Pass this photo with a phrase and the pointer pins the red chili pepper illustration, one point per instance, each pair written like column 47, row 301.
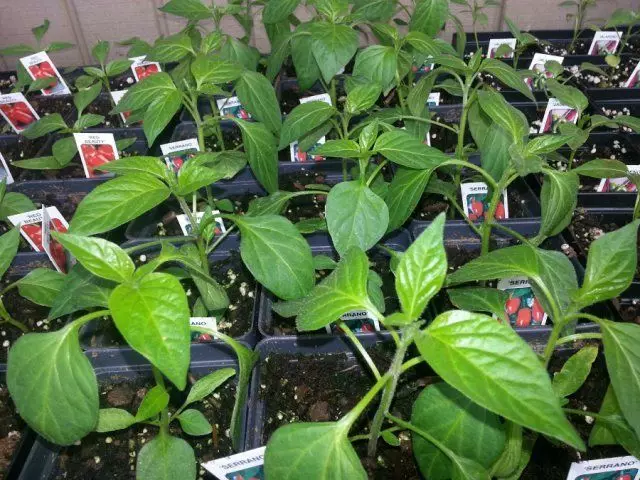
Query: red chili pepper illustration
column 57, row 225
column 500, row 213
column 34, row 232
column 204, row 337
column 366, row 327
column 524, row 318
column 477, row 208
column 96, row 156
column 538, row 312
column 18, row 114
column 243, row 114
column 144, row 71
column 302, row 156
column 512, row 305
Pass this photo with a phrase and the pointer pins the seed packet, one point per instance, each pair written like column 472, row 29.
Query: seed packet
column 426, row 67
column 54, row 250
column 31, row 225
column 358, row 321
column 176, row 153
column 619, row 185
column 117, row 96
column 17, row 111
column 39, row 65
column 538, row 66
column 308, row 156
column 185, row 224
column 617, row 468
column 95, row 149
column 475, row 201
column 522, row 308
column 496, row 43
column 556, row 114
column 634, row 78
column 5, row 173
column 232, row 108
column 210, row 323
column 605, row 43
column 142, row 69
column 434, row 99
column 241, row 466
column 322, row 97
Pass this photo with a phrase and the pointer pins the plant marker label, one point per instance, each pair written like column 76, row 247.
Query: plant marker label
column 634, row 78
column 187, row 229
column 142, row 69
column 358, row 321
column 538, row 66
column 619, row 185
column 426, row 67
column 556, row 114
column 54, row 250
column 522, row 307
column 246, row 465
column 475, row 201
column 308, row 156
column 605, row 43
column 232, row 108
column 617, row 468
column 31, row 228
column 210, row 323
column 322, row 97
column 434, row 99
column 17, row 111
column 5, row 173
column 496, row 43
column 176, row 153
column 117, row 96
column 95, row 149
column 39, row 65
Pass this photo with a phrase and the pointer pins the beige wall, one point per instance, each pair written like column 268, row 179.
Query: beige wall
column 83, row 22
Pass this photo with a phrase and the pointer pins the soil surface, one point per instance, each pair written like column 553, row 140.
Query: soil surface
column 11, row 430
column 615, row 77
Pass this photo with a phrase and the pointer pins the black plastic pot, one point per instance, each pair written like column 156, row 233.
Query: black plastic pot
column 125, row 363
column 615, row 100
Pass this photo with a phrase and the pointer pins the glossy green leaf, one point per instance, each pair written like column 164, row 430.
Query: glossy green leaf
column 9, row 243
column 87, row 120
column 118, row 66
column 14, row 202
column 575, row 371
column 206, row 385
column 80, row 291
column 333, row 45
column 307, row 70
column 492, row 140
column 258, row 96
column 507, row 75
column 377, row 63
column 507, row 116
column 343, row 148
column 558, row 197
column 546, row 144
column 41, row 286
column 236, row 51
column 190, row 9
column 48, row 124
column 429, row 16
column 480, row 299
column 166, row 458
column 567, row 95
column 150, row 90
column 278, row 10
column 303, row 119
column 611, row 428
column 160, row 113
column 128, row 165
column 112, row 419
column 208, row 70
column 405, row 192
column 193, row 422
column 155, row 400
column 404, row 149
column 362, row 97
column 171, row 48
column 602, row 168
column 85, row 97
column 261, row 148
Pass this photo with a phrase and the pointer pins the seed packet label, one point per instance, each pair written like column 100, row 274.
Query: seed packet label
column 95, row 149
column 496, row 43
column 619, row 185
column 39, row 65
column 522, row 308
column 426, row 67
column 210, row 323
column 231, row 107
column 434, row 99
column 246, row 465
column 617, row 468
column 634, row 78
column 538, row 66
column 358, row 321
column 117, row 96
column 605, row 43
column 5, row 173
column 308, row 156
column 17, row 111
column 54, row 250
column 475, row 201
column 556, row 114
column 322, row 97
column 176, row 153
column 142, row 69
column 187, row 229
column 31, row 225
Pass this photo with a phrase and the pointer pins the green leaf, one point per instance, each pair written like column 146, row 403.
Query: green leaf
column 339, row 148
column 603, row 168
column 311, row 225
column 80, row 291
column 429, row 16
column 276, row 254
column 160, row 113
column 118, row 66
column 404, row 149
column 362, row 97
column 152, row 314
column 280, row 51
column 17, row 50
column 422, row 269
column 48, row 124
column 9, row 243
column 575, row 371
column 480, row 299
column 195, row 175
column 611, row 428
column 507, row 116
column 64, row 150
column 356, row 216
column 611, row 266
column 559, row 197
column 166, row 457
column 377, row 63
column 101, row 257
column 333, row 46
column 116, row 202
column 41, row 285
column 320, row 451
column 343, row 291
column 171, row 49
column 156, row 400
column 193, row 422
column 85, row 97
column 139, row 164
column 278, row 10
column 272, row 204
column 53, row 385
column 462, row 426
column 493, row 141
column 87, row 120
column 261, row 148
column 14, row 202
column 303, row 119
column 258, row 96
column 207, row 70
column 620, row 342
column 568, row 95
column 146, row 92
column 112, row 419
column 236, row 51
column 41, row 30
column 192, row 10
column 405, row 192
column 307, row 70
column 206, row 385
column 546, row 144
column 507, row 75
column 487, row 361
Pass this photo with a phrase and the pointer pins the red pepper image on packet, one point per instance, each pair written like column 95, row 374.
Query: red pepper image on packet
column 17, row 111
column 39, row 66
column 95, row 149
column 522, row 308
column 475, row 202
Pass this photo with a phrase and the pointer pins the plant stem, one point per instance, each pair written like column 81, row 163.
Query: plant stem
column 490, row 215
column 422, row 433
column 219, row 240
column 365, row 436
column 376, row 172
column 361, row 350
column 7, row 318
column 584, row 413
column 579, row 336
column 488, row 178
column 524, row 240
column 429, row 121
column 164, row 414
column 199, row 240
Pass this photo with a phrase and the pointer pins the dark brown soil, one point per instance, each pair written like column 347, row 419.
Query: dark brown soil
column 617, row 150
column 11, row 429
column 62, row 104
column 587, row 227
column 616, row 76
column 113, row 455
column 102, row 106
column 22, row 150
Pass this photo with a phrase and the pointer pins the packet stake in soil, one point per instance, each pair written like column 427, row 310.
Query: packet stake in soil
column 496, row 43
column 475, row 201
column 176, row 153
column 30, row 225
column 246, row 465
column 556, row 114
column 39, row 65
column 619, row 185
column 95, row 149
column 210, row 323
column 426, row 67
column 142, row 69
column 17, row 111
column 634, row 78
column 232, row 108
column 605, row 43
column 616, row 468
column 117, row 96
column 187, row 229
column 54, row 250
column 538, row 66
column 294, row 150
column 434, row 99
column 322, row 97
column 5, row 173
column 522, row 308
column 358, row 321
